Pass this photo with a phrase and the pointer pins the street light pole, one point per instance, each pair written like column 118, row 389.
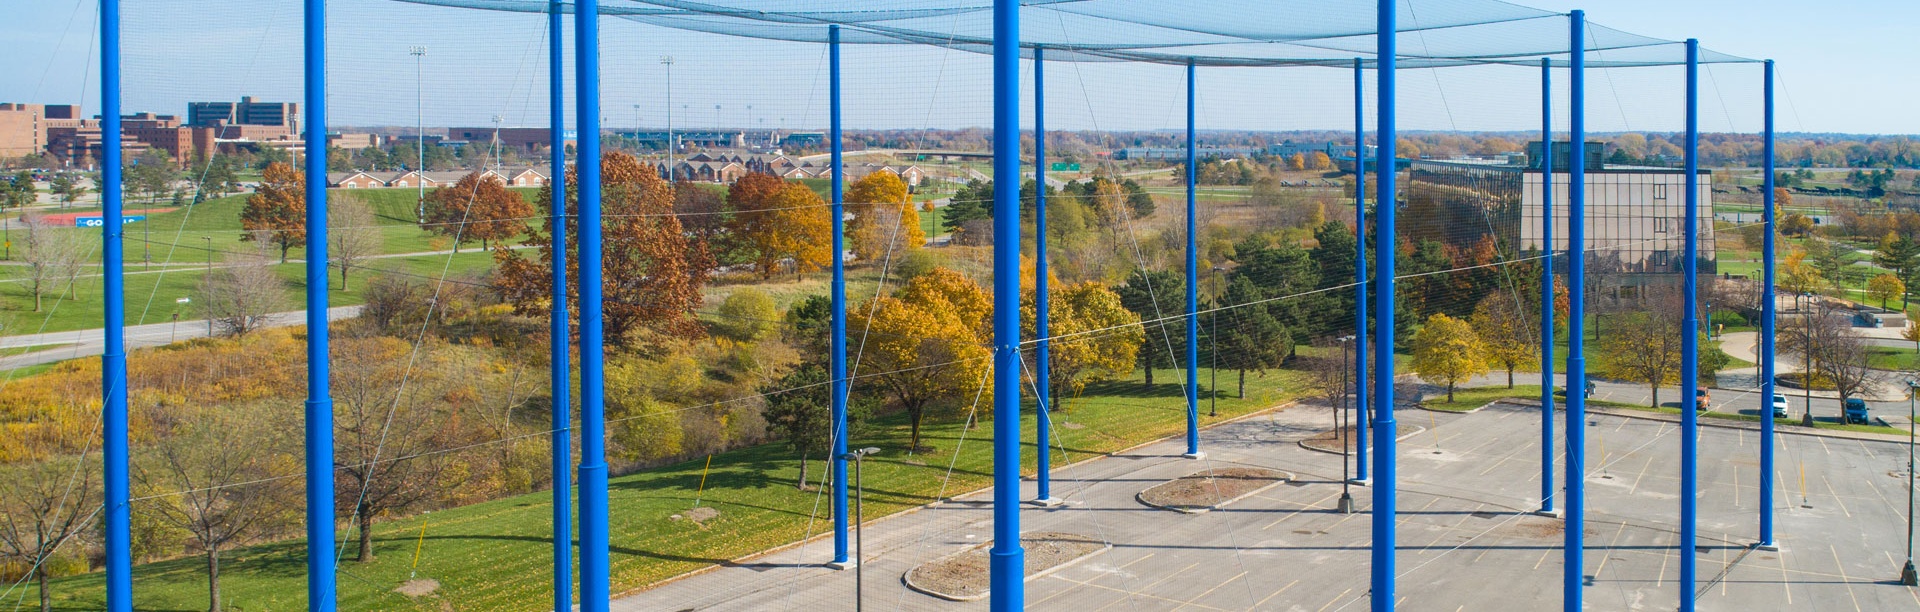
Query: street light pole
column 859, row 496
column 1908, row 576
column 667, row 60
column 419, row 134
column 208, row 277
column 1346, row 495
column 1806, row 355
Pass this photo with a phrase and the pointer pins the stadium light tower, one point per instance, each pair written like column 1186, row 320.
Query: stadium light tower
column 667, row 60
column 419, row 133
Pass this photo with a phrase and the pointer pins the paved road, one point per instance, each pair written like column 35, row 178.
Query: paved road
column 92, row 342
column 1466, row 492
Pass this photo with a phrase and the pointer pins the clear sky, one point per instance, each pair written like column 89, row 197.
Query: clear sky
column 1844, row 67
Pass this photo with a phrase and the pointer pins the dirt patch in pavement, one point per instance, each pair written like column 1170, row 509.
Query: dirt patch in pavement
column 1329, row 441
column 963, row 576
column 1208, row 489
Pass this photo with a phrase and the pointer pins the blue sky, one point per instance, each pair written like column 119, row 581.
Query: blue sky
column 1843, row 68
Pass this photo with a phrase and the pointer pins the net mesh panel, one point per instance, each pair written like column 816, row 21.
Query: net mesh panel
column 450, row 397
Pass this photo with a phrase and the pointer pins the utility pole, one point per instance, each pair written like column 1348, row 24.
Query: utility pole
column 497, row 157
column 667, row 60
column 419, row 134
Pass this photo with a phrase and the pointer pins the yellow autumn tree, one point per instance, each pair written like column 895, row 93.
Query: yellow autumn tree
column 1509, row 331
column 1096, row 337
column 884, row 220
column 1447, row 351
column 920, row 350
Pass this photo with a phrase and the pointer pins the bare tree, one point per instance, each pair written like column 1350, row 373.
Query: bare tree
column 389, row 414
column 54, row 256
column 353, row 235
column 241, row 297
column 218, row 461
column 44, row 506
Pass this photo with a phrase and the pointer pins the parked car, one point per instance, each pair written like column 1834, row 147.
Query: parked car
column 1779, row 406
column 1855, row 410
column 1701, row 400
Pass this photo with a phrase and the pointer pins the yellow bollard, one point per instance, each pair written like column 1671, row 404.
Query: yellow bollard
column 417, row 545
column 703, row 482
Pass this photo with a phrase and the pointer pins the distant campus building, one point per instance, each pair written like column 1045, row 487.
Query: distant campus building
column 1635, row 215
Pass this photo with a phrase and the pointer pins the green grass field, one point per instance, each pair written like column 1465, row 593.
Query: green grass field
column 1893, row 359
column 496, row 555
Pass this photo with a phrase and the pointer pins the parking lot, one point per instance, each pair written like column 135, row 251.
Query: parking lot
column 1468, row 539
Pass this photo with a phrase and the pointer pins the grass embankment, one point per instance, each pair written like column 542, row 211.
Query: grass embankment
column 497, row 555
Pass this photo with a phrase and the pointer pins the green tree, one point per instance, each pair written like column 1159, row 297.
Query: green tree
column 800, row 413
column 1157, row 297
column 63, row 188
column 1900, row 253
column 746, row 315
column 1249, row 335
column 971, row 201
column 1643, row 347
column 1446, row 351
column 19, row 191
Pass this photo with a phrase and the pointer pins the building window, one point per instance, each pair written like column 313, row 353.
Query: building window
column 1661, row 259
column 1660, row 224
column 1659, row 191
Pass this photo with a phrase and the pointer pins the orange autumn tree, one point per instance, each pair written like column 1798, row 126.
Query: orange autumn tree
column 277, row 210
column 884, row 220
column 652, row 272
column 478, row 207
column 777, row 221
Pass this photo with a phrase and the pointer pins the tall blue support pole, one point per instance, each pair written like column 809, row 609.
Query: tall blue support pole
column 1387, row 233
column 595, row 566
column 839, row 303
column 1042, row 356
column 1690, row 344
column 1362, row 400
column 1007, row 561
column 319, row 417
column 559, row 382
column 113, row 360
column 1193, row 281
column 1766, row 322
column 1546, row 286
column 1574, row 576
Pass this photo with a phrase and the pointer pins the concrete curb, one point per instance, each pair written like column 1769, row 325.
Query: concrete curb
column 906, row 577
column 1141, row 496
column 1417, row 430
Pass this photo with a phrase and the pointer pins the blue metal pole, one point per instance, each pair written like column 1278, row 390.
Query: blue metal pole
column 1042, row 356
column 1574, row 576
column 1766, row 323
column 1690, row 344
column 1007, row 561
column 559, row 383
column 1384, row 457
column 319, row 417
column 1193, row 282
column 1361, row 399
column 113, row 360
column 1546, row 286
column 595, row 566
column 839, row 303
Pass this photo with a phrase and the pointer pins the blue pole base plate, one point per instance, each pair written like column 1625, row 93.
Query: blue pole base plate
column 1550, row 513
column 1195, row 455
column 843, row 565
column 1363, row 482
column 1767, row 546
column 1046, row 502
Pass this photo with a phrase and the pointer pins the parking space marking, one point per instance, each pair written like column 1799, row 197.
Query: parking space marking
column 1841, row 567
column 1277, row 593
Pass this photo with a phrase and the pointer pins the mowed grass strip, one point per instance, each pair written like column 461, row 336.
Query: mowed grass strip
column 497, row 555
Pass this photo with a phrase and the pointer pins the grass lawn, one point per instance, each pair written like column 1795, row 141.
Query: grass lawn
column 496, row 555
column 1895, row 359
